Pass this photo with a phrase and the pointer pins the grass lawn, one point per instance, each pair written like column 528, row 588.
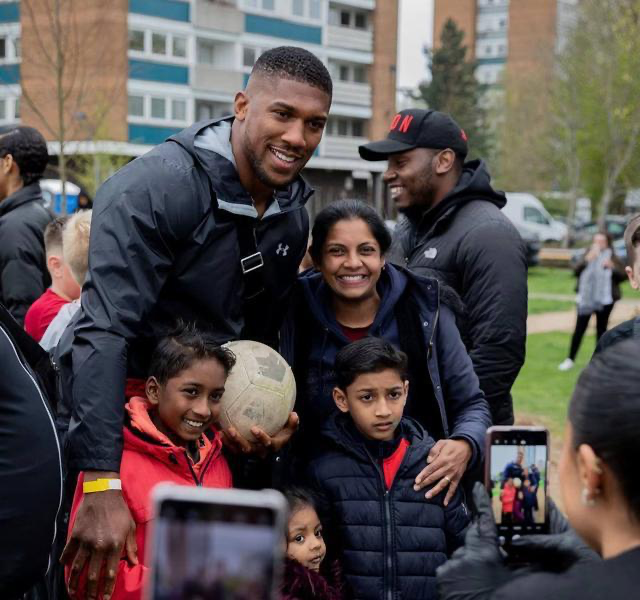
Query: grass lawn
column 538, row 306
column 541, row 393
column 549, row 280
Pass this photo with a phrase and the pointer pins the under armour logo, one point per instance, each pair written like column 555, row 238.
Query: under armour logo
column 282, row 250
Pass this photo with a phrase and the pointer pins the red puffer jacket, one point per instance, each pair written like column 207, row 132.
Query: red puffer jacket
column 149, row 458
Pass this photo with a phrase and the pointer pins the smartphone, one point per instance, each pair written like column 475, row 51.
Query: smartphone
column 215, row 544
column 517, row 471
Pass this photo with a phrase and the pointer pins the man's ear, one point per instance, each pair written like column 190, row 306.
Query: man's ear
column 6, row 163
column 632, row 280
column 240, row 105
column 152, row 390
column 340, row 398
column 444, row 161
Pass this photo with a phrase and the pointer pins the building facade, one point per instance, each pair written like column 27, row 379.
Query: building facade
column 520, row 36
column 156, row 66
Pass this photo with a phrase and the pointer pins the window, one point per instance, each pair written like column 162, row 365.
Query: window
column 3, row 109
column 249, row 56
column 297, row 7
column 179, row 110
column 136, row 40
column 360, row 74
column 488, row 50
column 268, row 4
column 501, row 49
column 360, row 20
column 357, row 129
column 315, row 9
column 179, row 46
column 136, row 106
column 343, row 127
column 158, row 108
column 17, row 47
column 158, row 43
column 206, row 109
column 344, row 73
column 206, row 52
column 16, row 109
column 3, row 47
column 533, row 215
column 345, row 18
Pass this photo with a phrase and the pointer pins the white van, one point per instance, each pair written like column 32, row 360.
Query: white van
column 525, row 210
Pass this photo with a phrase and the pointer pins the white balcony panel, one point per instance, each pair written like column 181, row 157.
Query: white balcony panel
column 352, row 93
column 366, row 4
column 220, row 16
column 342, row 147
column 353, row 39
column 210, row 79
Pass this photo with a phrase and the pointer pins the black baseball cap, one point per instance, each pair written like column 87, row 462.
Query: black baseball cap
column 418, row 128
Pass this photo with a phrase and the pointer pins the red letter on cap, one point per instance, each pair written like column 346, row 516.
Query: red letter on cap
column 395, row 122
column 404, row 126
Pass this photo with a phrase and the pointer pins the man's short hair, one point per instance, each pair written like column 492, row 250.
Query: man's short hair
column 291, row 62
column 632, row 238
column 28, row 148
column 368, row 355
column 53, row 236
column 75, row 244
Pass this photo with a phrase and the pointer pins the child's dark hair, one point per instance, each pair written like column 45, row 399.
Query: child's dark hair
column 347, row 210
column 297, row 498
column 182, row 347
column 368, row 355
column 605, row 414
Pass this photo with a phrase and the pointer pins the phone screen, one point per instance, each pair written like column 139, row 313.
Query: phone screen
column 206, row 551
column 517, row 479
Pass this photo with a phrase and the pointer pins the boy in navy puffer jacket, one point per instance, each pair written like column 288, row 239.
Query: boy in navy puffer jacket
column 390, row 537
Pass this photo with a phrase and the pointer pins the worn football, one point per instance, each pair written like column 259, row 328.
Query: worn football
column 260, row 390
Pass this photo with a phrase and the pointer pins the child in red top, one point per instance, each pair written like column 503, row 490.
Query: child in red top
column 168, row 437
column 64, row 288
column 508, row 498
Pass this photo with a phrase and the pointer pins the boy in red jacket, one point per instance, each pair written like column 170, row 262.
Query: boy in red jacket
column 168, row 437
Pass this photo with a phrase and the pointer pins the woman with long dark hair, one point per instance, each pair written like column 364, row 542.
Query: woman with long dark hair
column 353, row 293
column 601, row 494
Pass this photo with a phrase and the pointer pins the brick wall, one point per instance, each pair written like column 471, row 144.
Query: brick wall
column 463, row 12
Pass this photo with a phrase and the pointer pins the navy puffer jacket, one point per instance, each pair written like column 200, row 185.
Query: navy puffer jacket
column 390, row 542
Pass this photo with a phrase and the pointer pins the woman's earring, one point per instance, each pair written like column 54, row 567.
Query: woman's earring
column 587, row 498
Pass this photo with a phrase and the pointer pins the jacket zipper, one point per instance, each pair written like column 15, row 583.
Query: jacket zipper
column 198, row 482
column 429, row 355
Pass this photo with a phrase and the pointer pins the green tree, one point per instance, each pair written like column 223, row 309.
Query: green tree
column 454, row 89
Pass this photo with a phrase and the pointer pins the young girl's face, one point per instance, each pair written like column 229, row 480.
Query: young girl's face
column 304, row 540
column 188, row 403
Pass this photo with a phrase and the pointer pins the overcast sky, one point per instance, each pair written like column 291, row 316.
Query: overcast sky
column 416, row 30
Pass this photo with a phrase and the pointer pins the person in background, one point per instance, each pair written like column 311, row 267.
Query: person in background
column 169, row 436
column 64, row 288
column 507, row 498
column 600, row 487
column 23, row 218
column 75, row 252
column 452, row 227
column 630, row 328
column 599, row 274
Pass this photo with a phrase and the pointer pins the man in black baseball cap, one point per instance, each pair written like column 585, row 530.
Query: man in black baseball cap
column 455, row 231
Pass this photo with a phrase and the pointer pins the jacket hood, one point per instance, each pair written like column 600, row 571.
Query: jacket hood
column 141, row 435
column 317, row 294
column 339, row 430
column 26, row 194
column 209, row 142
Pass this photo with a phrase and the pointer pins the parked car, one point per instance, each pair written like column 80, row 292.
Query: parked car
column 52, row 194
column 615, row 225
column 525, row 210
column 532, row 244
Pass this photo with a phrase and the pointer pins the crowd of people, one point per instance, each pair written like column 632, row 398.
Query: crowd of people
column 404, row 350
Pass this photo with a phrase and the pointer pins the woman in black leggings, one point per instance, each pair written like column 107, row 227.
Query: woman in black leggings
column 599, row 275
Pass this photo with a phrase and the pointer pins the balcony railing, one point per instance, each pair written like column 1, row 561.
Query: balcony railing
column 351, row 39
column 222, row 15
column 352, row 93
column 334, row 146
column 212, row 79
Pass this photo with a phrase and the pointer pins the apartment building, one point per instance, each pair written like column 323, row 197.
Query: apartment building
column 172, row 62
column 518, row 35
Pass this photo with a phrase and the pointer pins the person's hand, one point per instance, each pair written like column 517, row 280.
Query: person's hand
column 446, row 464
column 477, row 569
column 263, row 443
column 103, row 528
column 593, row 253
column 556, row 551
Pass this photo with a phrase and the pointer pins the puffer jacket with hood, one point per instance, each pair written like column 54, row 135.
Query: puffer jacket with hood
column 444, row 394
column 150, row 458
column 471, row 246
column 165, row 245
column 23, row 266
column 390, row 539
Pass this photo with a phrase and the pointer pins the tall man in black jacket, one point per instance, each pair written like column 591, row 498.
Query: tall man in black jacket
column 23, row 217
column 209, row 226
column 454, row 230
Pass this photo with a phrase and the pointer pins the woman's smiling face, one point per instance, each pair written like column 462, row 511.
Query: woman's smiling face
column 351, row 260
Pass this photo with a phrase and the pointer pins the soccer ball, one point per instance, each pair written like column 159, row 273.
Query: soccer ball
column 260, row 390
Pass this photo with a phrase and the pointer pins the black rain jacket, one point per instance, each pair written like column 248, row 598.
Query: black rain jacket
column 389, row 542
column 466, row 242
column 23, row 266
column 164, row 245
